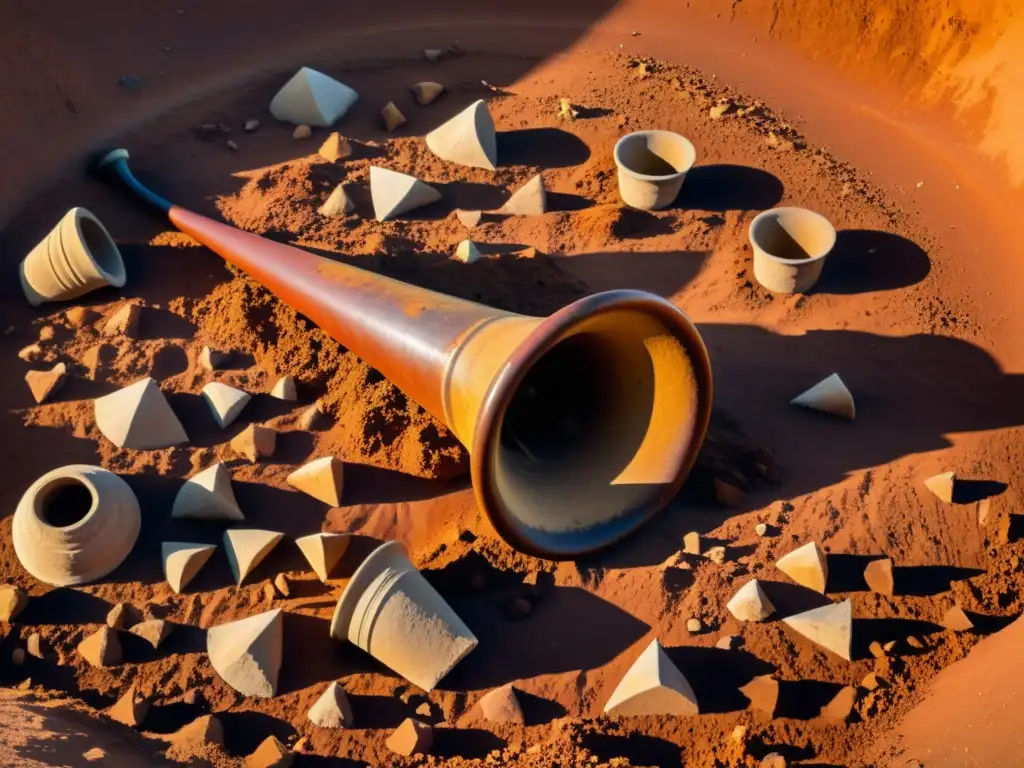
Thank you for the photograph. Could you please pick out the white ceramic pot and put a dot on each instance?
(790, 246)
(652, 166)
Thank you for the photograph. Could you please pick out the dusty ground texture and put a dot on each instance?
(893, 314)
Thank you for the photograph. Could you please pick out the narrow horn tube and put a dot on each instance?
(580, 426)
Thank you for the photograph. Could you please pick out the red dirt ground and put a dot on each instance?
(895, 313)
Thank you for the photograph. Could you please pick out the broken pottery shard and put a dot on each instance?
(467, 252)
(247, 653)
(529, 200)
(154, 631)
(750, 603)
(124, 322)
(828, 396)
(312, 417)
(652, 686)
(332, 709)
(942, 486)
(878, 576)
(338, 203)
(139, 416)
(956, 620)
(225, 402)
(312, 98)
(284, 389)
(395, 193)
(426, 92)
(322, 479)
(271, 753)
(467, 139)
(806, 566)
(208, 496)
(130, 709)
(838, 710)
(182, 561)
(102, 648)
(203, 730)
(763, 693)
(830, 626)
(323, 551)
(122, 616)
(13, 600)
(246, 548)
(412, 737)
(335, 148)
(469, 219)
(255, 442)
(393, 117)
(44, 384)
(502, 706)
(211, 359)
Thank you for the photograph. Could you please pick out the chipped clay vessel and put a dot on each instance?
(75, 524)
(652, 166)
(77, 256)
(790, 246)
(390, 611)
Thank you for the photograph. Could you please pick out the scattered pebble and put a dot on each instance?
(739, 734)
(337, 147)
(232, 145)
(876, 649)
(773, 760)
(94, 755)
(423, 709)
(301, 745)
(871, 681)
(393, 117)
(716, 555)
(281, 584)
(433, 54)
(46, 333)
(212, 359)
(251, 126)
(302, 132)
(761, 529)
(76, 317)
(913, 642)
(34, 645)
(727, 642)
(718, 111)
(691, 543)
(124, 322)
(31, 353)
(693, 626)
(269, 593)
(566, 110)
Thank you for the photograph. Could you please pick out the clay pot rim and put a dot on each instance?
(118, 278)
(39, 494)
(687, 146)
(364, 574)
(791, 209)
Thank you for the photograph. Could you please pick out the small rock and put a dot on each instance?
(301, 745)
(956, 620)
(122, 616)
(44, 384)
(984, 510)
(124, 322)
(761, 529)
(423, 709)
(212, 359)
(739, 734)
(18, 657)
(285, 389)
(412, 737)
(102, 648)
(271, 753)
(691, 543)
(718, 111)
(46, 333)
(224, 128)
(913, 642)
(716, 555)
(208, 128)
(726, 642)
(433, 54)
(566, 111)
(335, 148)
(879, 578)
(34, 645)
(76, 317)
(871, 681)
(154, 631)
(302, 132)
(269, 592)
(888, 647)
(281, 585)
(311, 417)
(773, 760)
(94, 755)
(251, 126)
(131, 709)
(232, 145)
(693, 626)
(31, 353)
(728, 495)
(255, 442)
(13, 600)
(393, 117)
(876, 649)
(426, 92)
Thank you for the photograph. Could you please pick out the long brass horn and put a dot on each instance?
(580, 426)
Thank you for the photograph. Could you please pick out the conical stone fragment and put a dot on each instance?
(529, 200)
(426, 92)
(502, 706)
(247, 653)
(208, 496)
(13, 600)
(102, 648)
(653, 686)
(393, 117)
(830, 626)
(956, 620)
(838, 710)
(828, 396)
(878, 576)
(942, 486)
(182, 561)
(271, 753)
(131, 709)
(467, 252)
(255, 442)
(412, 737)
(154, 631)
(395, 193)
(312, 98)
(763, 692)
(322, 479)
(311, 418)
(750, 603)
(467, 139)
(246, 548)
(338, 203)
(806, 566)
(124, 322)
(332, 709)
(122, 616)
(469, 219)
(335, 148)
(139, 416)
(225, 402)
(44, 384)
(211, 359)
(284, 389)
(201, 731)
(323, 551)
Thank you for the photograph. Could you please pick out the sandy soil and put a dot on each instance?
(894, 314)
